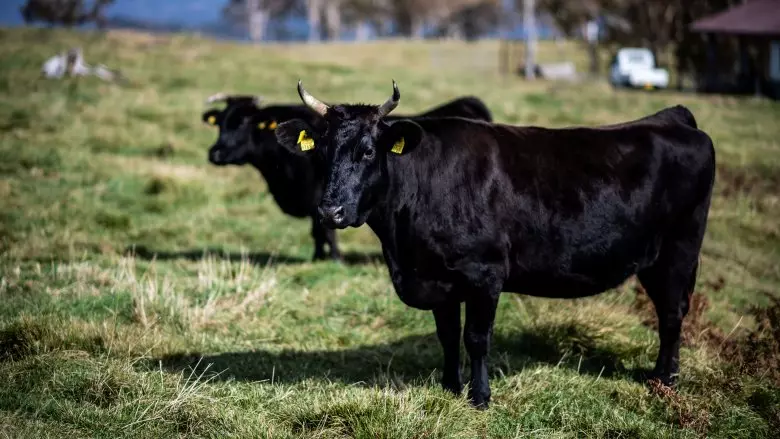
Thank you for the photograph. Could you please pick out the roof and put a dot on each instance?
(756, 17)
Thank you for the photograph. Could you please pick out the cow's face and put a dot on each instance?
(354, 147)
(243, 128)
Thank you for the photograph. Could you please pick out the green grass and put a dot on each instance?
(230, 331)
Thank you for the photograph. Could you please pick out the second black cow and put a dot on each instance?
(246, 136)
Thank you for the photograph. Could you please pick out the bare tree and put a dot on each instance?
(255, 14)
(333, 19)
(529, 23)
(314, 14)
(65, 12)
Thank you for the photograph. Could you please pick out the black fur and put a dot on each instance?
(470, 209)
(294, 180)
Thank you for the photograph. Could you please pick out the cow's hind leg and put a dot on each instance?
(323, 236)
(330, 237)
(669, 282)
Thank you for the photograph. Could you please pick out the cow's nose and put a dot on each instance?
(332, 214)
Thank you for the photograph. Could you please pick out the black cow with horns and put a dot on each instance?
(246, 135)
(467, 209)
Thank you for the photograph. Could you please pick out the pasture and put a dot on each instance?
(147, 293)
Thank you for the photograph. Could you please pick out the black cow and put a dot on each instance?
(246, 135)
(467, 209)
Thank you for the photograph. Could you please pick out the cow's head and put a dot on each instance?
(243, 127)
(355, 147)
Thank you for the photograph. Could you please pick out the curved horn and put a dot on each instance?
(223, 97)
(218, 97)
(391, 103)
(310, 101)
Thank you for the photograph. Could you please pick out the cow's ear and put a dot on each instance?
(297, 136)
(212, 117)
(400, 137)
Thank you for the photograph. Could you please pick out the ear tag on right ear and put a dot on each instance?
(305, 141)
(261, 125)
(398, 148)
(211, 120)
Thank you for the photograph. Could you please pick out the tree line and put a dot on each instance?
(661, 25)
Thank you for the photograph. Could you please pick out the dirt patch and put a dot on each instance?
(758, 351)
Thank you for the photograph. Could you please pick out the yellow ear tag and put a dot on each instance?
(398, 148)
(211, 120)
(306, 142)
(261, 125)
(272, 125)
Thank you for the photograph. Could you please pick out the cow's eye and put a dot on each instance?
(368, 154)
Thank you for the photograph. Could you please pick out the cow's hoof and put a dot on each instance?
(664, 379)
(480, 402)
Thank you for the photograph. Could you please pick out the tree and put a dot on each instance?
(364, 14)
(65, 12)
(255, 14)
(450, 17)
(660, 25)
(529, 23)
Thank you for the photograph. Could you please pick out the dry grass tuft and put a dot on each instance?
(689, 413)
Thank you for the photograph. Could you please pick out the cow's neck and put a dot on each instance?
(265, 158)
(400, 202)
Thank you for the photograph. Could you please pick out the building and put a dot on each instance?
(754, 28)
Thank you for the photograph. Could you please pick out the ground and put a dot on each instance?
(146, 293)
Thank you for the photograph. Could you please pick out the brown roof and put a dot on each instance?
(756, 17)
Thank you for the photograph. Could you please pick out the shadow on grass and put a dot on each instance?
(258, 258)
(414, 357)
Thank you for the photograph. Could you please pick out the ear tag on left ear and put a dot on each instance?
(398, 148)
(272, 125)
(305, 141)
(261, 125)
(211, 120)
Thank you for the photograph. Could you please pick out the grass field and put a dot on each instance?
(146, 293)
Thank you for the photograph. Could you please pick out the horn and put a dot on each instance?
(218, 97)
(222, 97)
(391, 103)
(315, 104)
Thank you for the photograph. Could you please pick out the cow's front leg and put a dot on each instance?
(448, 329)
(480, 315)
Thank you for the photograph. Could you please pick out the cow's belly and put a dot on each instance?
(424, 294)
(581, 273)
(564, 285)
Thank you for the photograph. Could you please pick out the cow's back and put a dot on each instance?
(573, 210)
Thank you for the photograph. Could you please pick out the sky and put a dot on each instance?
(187, 12)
